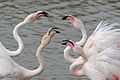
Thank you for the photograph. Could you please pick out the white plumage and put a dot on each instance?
(104, 65)
(100, 54)
(106, 34)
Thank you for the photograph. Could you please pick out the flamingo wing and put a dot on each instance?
(106, 34)
(3, 52)
(104, 66)
(7, 68)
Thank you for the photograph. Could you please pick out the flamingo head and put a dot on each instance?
(34, 16)
(49, 35)
(75, 47)
(71, 19)
(68, 42)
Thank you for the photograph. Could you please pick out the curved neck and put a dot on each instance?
(31, 73)
(18, 39)
(84, 37)
(78, 24)
(67, 50)
(67, 55)
(76, 68)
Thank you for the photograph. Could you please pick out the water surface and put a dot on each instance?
(91, 12)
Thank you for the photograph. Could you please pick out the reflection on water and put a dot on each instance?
(91, 12)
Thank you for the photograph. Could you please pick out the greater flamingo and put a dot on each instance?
(102, 66)
(10, 69)
(29, 19)
(106, 34)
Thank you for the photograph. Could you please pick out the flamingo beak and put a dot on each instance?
(57, 31)
(54, 29)
(45, 13)
(64, 42)
(65, 17)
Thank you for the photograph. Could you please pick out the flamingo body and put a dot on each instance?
(101, 52)
(104, 65)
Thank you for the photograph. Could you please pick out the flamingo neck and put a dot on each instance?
(18, 39)
(82, 54)
(84, 37)
(77, 68)
(68, 56)
(67, 51)
(79, 25)
(32, 73)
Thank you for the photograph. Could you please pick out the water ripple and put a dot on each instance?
(91, 12)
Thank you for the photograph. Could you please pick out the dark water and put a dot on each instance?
(91, 12)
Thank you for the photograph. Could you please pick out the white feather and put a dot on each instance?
(107, 34)
(102, 65)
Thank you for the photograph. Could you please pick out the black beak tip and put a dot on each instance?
(65, 17)
(57, 31)
(64, 42)
(55, 28)
(45, 13)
